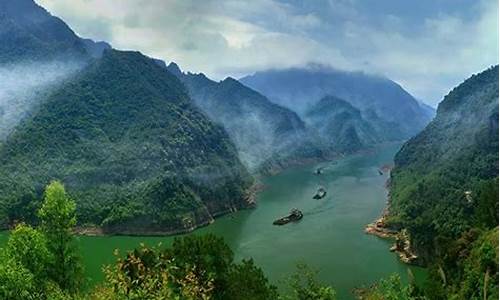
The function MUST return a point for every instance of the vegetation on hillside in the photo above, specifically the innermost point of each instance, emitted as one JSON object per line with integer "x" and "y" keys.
{"x": 444, "y": 191}
{"x": 131, "y": 148}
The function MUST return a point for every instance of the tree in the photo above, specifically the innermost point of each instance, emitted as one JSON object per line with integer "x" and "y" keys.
{"x": 206, "y": 257}
{"x": 247, "y": 281}
{"x": 57, "y": 216}
{"x": 28, "y": 247}
{"x": 143, "y": 274}
{"x": 305, "y": 286}
{"x": 16, "y": 282}
{"x": 202, "y": 269}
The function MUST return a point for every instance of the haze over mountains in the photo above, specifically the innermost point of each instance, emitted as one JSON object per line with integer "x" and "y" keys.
{"x": 267, "y": 135}
{"x": 121, "y": 134}
{"x": 145, "y": 147}
{"x": 394, "y": 113}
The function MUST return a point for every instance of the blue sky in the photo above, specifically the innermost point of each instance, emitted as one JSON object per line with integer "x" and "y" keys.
{"x": 428, "y": 46}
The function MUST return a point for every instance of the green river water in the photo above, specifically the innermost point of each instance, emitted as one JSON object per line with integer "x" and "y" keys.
{"x": 330, "y": 236}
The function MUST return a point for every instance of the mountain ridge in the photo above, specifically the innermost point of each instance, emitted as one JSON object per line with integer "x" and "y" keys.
{"x": 375, "y": 96}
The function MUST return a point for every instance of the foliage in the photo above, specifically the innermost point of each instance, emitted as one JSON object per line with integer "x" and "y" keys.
{"x": 392, "y": 289}
{"x": 17, "y": 283}
{"x": 43, "y": 263}
{"x": 58, "y": 219}
{"x": 28, "y": 248}
{"x": 195, "y": 267}
{"x": 304, "y": 286}
{"x": 444, "y": 190}
{"x": 247, "y": 281}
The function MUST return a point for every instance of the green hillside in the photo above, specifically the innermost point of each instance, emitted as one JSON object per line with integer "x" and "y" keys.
{"x": 444, "y": 188}
{"x": 133, "y": 151}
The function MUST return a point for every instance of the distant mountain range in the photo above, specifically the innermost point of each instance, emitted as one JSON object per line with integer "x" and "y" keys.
{"x": 267, "y": 135}
{"x": 341, "y": 125}
{"x": 392, "y": 111}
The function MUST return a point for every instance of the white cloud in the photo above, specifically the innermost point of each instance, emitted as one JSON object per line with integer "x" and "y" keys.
{"x": 232, "y": 37}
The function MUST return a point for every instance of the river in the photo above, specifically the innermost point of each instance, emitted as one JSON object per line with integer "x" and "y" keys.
{"x": 330, "y": 236}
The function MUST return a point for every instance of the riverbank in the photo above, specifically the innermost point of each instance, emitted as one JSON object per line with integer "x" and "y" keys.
{"x": 381, "y": 228}
{"x": 328, "y": 238}
{"x": 402, "y": 243}
{"x": 250, "y": 200}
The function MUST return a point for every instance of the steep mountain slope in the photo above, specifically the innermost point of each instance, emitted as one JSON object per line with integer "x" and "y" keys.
{"x": 394, "y": 112}
{"x": 130, "y": 146}
{"x": 267, "y": 135}
{"x": 29, "y": 32}
{"x": 341, "y": 125}
{"x": 444, "y": 187}
{"x": 37, "y": 52}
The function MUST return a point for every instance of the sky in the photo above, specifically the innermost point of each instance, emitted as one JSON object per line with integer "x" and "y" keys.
{"x": 427, "y": 46}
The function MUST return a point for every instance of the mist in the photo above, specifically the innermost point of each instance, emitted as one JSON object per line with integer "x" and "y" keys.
{"x": 24, "y": 85}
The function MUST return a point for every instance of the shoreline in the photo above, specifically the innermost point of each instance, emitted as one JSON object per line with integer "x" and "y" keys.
{"x": 250, "y": 199}
{"x": 380, "y": 229}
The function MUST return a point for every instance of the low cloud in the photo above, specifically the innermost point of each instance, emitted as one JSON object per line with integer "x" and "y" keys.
{"x": 427, "y": 47}
{"x": 23, "y": 85}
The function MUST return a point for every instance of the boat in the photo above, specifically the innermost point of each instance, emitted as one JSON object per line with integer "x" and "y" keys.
{"x": 319, "y": 171}
{"x": 321, "y": 193}
{"x": 294, "y": 216}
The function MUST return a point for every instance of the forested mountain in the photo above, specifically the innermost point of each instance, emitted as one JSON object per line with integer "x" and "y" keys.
{"x": 29, "y": 32}
{"x": 341, "y": 125}
{"x": 118, "y": 130}
{"x": 267, "y": 135}
{"x": 444, "y": 191}
{"x": 393, "y": 112}
{"x": 134, "y": 152}
{"x": 37, "y": 52}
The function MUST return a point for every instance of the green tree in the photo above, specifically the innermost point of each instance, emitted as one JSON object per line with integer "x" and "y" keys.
{"x": 57, "y": 216}
{"x": 202, "y": 268}
{"x": 28, "y": 247}
{"x": 16, "y": 282}
{"x": 305, "y": 286}
{"x": 206, "y": 257}
{"x": 393, "y": 289}
{"x": 247, "y": 281}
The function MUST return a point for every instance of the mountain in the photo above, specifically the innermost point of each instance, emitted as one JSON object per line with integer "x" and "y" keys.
{"x": 444, "y": 189}
{"x": 392, "y": 110}
{"x": 115, "y": 127}
{"x": 37, "y": 52}
{"x": 267, "y": 135}
{"x": 341, "y": 125}
{"x": 29, "y": 32}
{"x": 132, "y": 149}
